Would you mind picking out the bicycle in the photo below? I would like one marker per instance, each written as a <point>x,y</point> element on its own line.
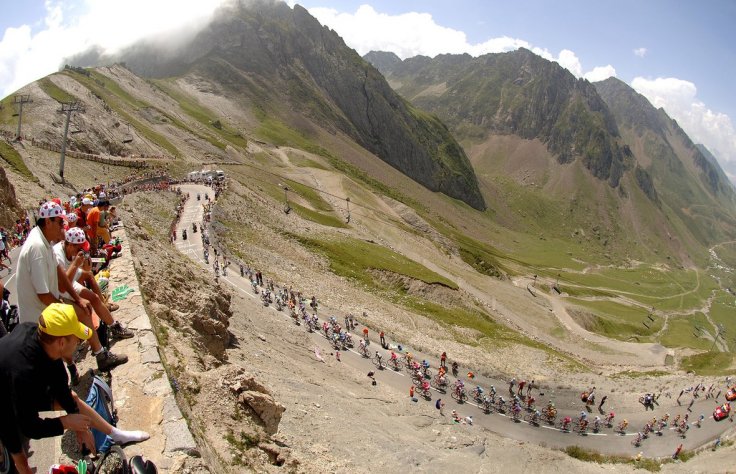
<point>636,442</point>
<point>563,425</point>
<point>395,364</point>
<point>532,419</point>
<point>379,362</point>
<point>365,352</point>
<point>459,395</point>
<point>442,387</point>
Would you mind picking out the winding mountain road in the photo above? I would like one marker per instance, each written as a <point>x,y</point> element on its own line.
<point>567,401</point>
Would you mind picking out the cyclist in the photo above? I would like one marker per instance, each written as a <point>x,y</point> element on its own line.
<point>536,416</point>
<point>459,386</point>
<point>425,387</point>
<point>378,357</point>
<point>583,416</point>
<point>610,417</point>
<point>622,426</point>
<point>566,423</point>
<point>478,392</point>
<point>516,411</point>
<point>530,402</point>
<point>583,425</point>
<point>597,423</point>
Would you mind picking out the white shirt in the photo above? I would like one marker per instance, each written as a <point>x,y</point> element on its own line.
<point>35,275</point>
<point>64,263</point>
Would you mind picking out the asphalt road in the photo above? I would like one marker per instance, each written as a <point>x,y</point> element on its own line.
<point>567,401</point>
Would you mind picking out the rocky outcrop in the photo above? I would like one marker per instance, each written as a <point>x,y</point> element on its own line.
<point>251,395</point>
<point>10,209</point>
<point>183,298</point>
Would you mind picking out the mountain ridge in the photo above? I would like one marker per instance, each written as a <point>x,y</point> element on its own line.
<point>312,68</point>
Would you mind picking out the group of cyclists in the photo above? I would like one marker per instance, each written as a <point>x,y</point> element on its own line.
<point>519,405</point>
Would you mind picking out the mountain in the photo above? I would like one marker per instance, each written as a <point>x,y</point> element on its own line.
<point>516,93</point>
<point>542,142</point>
<point>688,178</point>
<point>263,50</point>
<point>713,161</point>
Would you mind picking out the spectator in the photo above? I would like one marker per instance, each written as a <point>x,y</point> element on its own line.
<point>70,256</point>
<point>93,222</point>
<point>102,226</point>
<point>34,380</point>
<point>82,211</point>
<point>41,280</point>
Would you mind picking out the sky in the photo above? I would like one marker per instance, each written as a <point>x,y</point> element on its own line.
<point>680,54</point>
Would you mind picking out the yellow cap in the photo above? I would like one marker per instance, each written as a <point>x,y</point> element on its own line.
<point>61,320</point>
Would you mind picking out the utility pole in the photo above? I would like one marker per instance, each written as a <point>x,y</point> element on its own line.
<point>67,108</point>
<point>20,100</point>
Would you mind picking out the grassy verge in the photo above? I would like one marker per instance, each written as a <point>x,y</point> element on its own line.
<point>318,217</point>
<point>682,332</point>
<point>353,258</point>
<point>9,154</point>
<point>55,92</point>
<point>652,465</point>
<point>618,321</point>
<point>631,374</point>
<point>708,363</point>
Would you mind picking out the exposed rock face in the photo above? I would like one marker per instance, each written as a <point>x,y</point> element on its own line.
<point>516,93</point>
<point>181,297</point>
<point>10,210</point>
<point>251,394</point>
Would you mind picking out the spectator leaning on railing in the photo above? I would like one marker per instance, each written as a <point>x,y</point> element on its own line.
<point>33,380</point>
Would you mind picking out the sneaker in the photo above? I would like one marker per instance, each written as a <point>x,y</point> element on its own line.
<point>73,374</point>
<point>119,332</point>
<point>106,360</point>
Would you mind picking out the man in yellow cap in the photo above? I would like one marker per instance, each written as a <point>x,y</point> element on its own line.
<point>33,380</point>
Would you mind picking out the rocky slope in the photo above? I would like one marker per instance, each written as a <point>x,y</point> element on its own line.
<point>516,93</point>
<point>10,209</point>
<point>674,168</point>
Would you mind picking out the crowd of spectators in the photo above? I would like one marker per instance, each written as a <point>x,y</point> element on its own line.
<point>61,307</point>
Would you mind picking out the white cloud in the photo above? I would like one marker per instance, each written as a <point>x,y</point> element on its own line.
<point>600,73</point>
<point>411,34</point>
<point>679,99</point>
<point>26,55</point>
<point>641,52</point>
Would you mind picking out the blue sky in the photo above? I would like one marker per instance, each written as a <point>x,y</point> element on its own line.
<point>679,54</point>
